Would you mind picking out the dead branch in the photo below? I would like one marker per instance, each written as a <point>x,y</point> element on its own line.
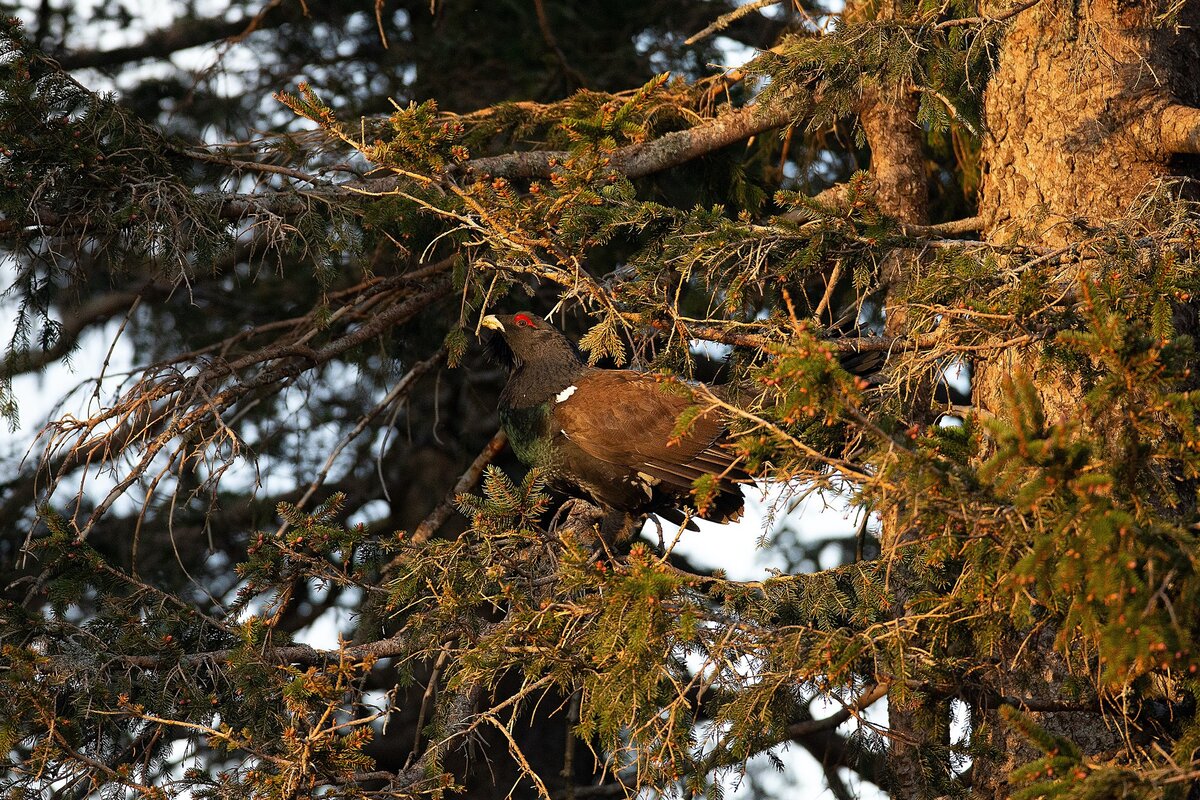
<point>725,20</point>
<point>241,165</point>
<point>164,406</point>
<point>552,42</point>
<point>300,655</point>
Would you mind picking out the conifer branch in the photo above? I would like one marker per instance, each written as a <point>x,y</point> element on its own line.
<point>848,469</point>
<point>951,109</point>
<point>95,311</point>
<point>228,206</point>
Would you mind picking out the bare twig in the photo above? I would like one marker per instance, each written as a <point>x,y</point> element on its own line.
<point>725,20</point>
<point>830,286</point>
<point>1004,16</point>
<point>552,42</point>
<point>401,389</point>
<point>173,406</point>
<point>799,730</point>
<point>950,109</point>
<point>445,508</point>
<point>251,166</point>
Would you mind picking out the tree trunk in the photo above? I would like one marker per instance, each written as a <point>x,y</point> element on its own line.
<point>1084,115</point>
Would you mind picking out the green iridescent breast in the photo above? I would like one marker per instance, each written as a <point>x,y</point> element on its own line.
<point>529,434</point>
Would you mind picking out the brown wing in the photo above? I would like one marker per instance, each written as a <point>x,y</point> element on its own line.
<point>628,418</point>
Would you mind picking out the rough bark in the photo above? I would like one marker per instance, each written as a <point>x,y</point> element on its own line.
<point>889,119</point>
<point>1083,115</point>
<point>1086,110</point>
<point>888,114</point>
<point>1089,105</point>
<point>641,159</point>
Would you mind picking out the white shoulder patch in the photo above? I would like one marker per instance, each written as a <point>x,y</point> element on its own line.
<point>562,396</point>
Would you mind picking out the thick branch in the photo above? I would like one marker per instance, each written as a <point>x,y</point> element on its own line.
<point>1179,129</point>
<point>859,344</point>
<point>638,160</point>
<point>954,227</point>
<point>819,738</point>
<point>300,654</point>
<point>799,730</point>
<point>833,750</point>
<point>888,115</point>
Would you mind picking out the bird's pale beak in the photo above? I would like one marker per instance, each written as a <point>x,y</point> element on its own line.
<point>490,321</point>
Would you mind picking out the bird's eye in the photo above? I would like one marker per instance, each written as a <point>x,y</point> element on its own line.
<point>523,321</point>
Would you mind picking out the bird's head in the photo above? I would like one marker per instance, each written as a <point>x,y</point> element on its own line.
<point>527,338</point>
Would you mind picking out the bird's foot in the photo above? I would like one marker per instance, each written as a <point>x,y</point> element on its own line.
<point>589,525</point>
<point>577,520</point>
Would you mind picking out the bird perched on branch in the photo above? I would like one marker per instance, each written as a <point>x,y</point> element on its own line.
<point>610,436</point>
